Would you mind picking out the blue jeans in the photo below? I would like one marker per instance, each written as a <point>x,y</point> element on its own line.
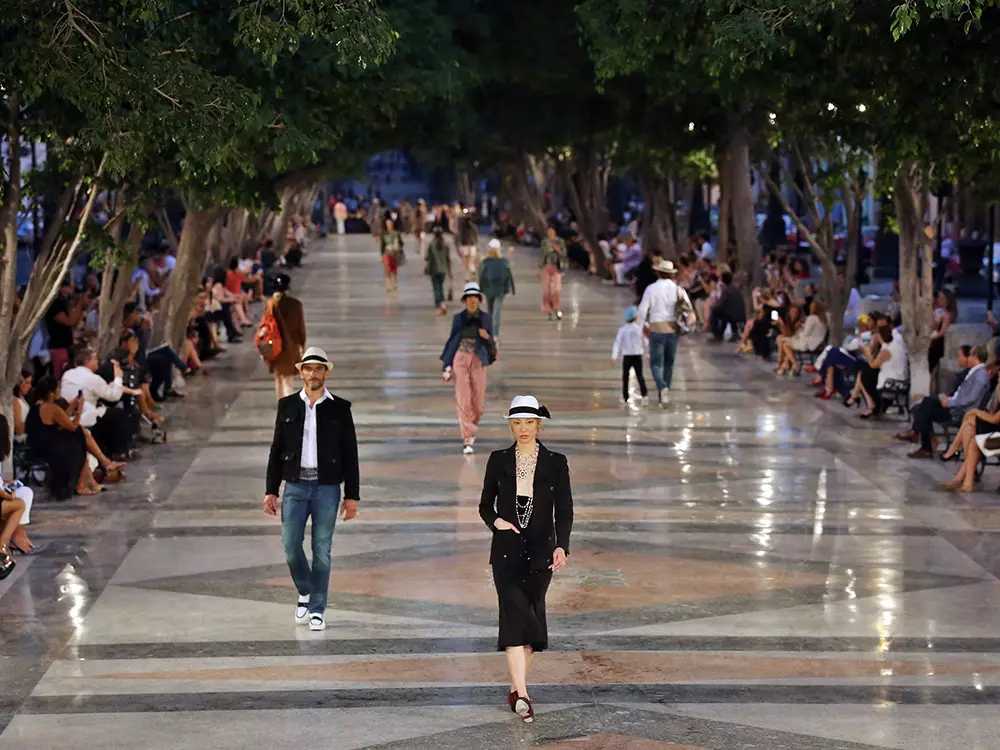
<point>302,500</point>
<point>437,281</point>
<point>495,305</point>
<point>662,352</point>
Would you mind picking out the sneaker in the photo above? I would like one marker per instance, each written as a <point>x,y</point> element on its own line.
<point>522,707</point>
<point>316,621</point>
<point>302,610</point>
<point>468,450</point>
<point>558,314</point>
<point>664,395</point>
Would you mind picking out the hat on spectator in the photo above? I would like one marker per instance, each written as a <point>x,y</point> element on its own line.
<point>314,355</point>
<point>662,265</point>
<point>526,407</point>
<point>472,290</point>
<point>494,244</point>
<point>631,313</point>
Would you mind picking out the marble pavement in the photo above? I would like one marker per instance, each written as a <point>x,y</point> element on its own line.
<point>751,569</point>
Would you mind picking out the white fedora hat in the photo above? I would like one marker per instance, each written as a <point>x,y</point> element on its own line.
<point>526,407</point>
<point>664,266</point>
<point>472,290</point>
<point>314,355</point>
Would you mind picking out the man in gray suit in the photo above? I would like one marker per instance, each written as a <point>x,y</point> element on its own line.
<point>945,409</point>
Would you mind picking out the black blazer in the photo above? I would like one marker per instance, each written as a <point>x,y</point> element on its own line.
<point>551,519</point>
<point>336,444</point>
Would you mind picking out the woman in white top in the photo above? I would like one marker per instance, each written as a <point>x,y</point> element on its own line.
<point>21,406</point>
<point>891,362</point>
<point>808,338</point>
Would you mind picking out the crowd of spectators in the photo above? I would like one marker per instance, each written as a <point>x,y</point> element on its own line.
<point>78,417</point>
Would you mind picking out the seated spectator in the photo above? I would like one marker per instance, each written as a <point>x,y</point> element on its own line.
<point>266,257</point>
<point>55,436</point>
<point>963,366</point>
<point>947,409</point>
<point>146,277</point>
<point>977,425</point>
<point>228,306</point>
<point>136,396</point>
<point>757,336</point>
<point>836,361</point>
<point>14,492</point>
<point>788,326</point>
<point>729,310</point>
<point>20,406</point>
<point>109,426</point>
<point>890,362</point>
<point>235,280</point>
<point>809,338</point>
<point>200,332</point>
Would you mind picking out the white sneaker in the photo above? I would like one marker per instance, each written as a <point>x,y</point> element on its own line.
<point>316,621</point>
<point>558,314</point>
<point>468,450</point>
<point>665,396</point>
<point>302,610</point>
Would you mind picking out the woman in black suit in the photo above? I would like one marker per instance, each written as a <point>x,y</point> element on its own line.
<point>528,505</point>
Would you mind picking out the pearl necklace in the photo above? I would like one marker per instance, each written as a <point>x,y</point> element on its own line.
<point>524,467</point>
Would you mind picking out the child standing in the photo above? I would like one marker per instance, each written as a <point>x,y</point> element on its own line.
<point>631,345</point>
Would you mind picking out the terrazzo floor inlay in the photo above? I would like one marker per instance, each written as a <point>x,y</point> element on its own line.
<point>748,569</point>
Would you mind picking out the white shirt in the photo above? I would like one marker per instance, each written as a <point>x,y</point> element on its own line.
<point>310,457</point>
<point>94,389</point>
<point>629,342</point>
<point>659,302</point>
<point>898,365</point>
<point>707,252</point>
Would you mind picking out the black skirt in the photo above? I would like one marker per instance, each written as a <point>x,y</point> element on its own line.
<point>985,428</point>
<point>521,595</point>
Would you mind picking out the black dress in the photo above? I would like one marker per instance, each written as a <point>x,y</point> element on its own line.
<point>64,451</point>
<point>521,561</point>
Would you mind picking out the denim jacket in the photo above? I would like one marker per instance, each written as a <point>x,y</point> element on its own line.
<point>457,324</point>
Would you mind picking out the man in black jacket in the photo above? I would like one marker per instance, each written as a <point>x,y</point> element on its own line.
<point>314,449</point>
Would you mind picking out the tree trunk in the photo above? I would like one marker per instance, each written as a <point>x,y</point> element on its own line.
<point>684,226</point>
<point>581,179</point>
<point>742,207</point>
<point>529,198</point>
<point>722,242</point>
<point>657,232</point>
<point>115,292</point>
<point>464,187</point>
<point>916,277</point>
<point>9,354</point>
<point>192,252</point>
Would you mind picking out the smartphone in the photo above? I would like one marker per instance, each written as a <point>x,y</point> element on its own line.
<point>79,394</point>
<point>774,315</point>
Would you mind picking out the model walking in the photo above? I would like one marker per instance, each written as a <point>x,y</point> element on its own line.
<point>630,344</point>
<point>391,244</point>
<point>469,351</point>
<point>314,450</point>
<point>551,264</point>
<point>437,265</point>
<point>528,505</point>
<point>664,304</point>
<point>497,281</point>
<point>291,324</point>
<point>419,227</point>
<point>468,243</point>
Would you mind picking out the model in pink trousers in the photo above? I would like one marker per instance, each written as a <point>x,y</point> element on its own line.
<point>470,393</point>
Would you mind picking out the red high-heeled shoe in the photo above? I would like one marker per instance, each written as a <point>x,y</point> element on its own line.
<point>523,708</point>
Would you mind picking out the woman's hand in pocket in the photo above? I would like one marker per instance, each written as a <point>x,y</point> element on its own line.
<point>502,525</point>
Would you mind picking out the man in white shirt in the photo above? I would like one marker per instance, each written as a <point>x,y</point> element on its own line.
<point>109,426</point>
<point>314,450</point>
<point>658,312</point>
